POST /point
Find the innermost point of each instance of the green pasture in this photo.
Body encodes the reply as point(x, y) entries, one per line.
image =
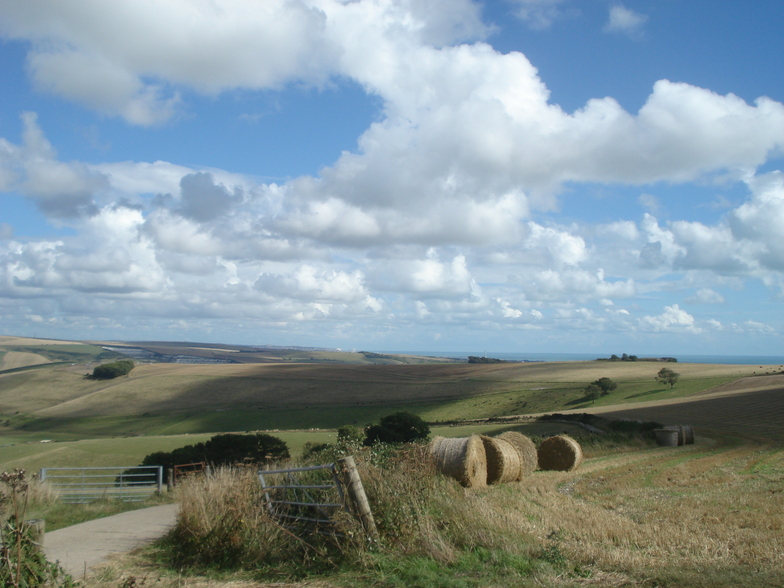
point(121, 451)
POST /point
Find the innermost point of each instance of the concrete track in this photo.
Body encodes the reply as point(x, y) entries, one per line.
point(81, 547)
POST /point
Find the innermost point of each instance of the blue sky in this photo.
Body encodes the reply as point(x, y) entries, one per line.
point(577, 176)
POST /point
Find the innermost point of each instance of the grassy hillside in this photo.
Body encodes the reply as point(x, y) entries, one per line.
point(18, 353)
point(157, 399)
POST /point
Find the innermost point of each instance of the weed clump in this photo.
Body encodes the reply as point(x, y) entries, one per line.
point(22, 561)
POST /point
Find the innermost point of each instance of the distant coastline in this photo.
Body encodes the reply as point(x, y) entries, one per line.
point(718, 359)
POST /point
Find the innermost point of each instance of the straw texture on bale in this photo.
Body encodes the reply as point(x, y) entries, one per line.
point(529, 460)
point(503, 461)
point(461, 458)
point(561, 453)
point(681, 434)
point(667, 437)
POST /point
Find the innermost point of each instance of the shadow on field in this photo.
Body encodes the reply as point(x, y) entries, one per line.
point(648, 393)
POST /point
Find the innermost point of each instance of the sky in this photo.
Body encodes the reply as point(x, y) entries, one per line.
point(557, 176)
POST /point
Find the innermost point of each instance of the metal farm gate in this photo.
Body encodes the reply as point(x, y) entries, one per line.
point(129, 483)
point(309, 499)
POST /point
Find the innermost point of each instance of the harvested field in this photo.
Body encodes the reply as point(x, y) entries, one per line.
point(750, 407)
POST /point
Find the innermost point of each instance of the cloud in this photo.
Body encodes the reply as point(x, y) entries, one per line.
point(539, 14)
point(426, 277)
point(706, 296)
point(202, 200)
point(673, 319)
point(625, 21)
point(760, 220)
point(310, 283)
point(60, 190)
point(128, 58)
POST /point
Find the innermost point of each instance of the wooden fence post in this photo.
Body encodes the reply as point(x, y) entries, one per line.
point(357, 496)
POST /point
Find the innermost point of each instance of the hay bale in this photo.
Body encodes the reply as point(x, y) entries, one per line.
point(461, 458)
point(561, 453)
point(688, 434)
point(503, 461)
point(681, 435)
point(667, 437)
point(526, 448)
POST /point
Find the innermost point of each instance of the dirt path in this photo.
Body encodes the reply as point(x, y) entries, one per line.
point(81, 547)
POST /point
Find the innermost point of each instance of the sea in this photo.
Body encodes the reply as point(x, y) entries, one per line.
point(720, 359)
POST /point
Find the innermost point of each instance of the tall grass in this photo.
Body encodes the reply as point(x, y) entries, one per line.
point(418, 514)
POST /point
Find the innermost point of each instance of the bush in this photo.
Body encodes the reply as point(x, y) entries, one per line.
point(400, 427)
point(225, 449)
point(116, 369)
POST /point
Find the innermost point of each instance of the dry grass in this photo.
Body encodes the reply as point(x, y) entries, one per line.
point(710, 514)
point(677, 513)
point(16, 359)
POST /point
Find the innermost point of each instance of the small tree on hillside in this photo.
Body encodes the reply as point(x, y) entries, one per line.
point(667, 376)
point(606, 385)
point(592, 392)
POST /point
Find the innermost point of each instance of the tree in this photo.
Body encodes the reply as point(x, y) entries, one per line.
point(592, 392)
point(400, 427)
point(223, 449)
point(116, 369)
point(667, 376)
point(606, 385)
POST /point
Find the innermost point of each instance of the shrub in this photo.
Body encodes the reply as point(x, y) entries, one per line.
point(112, 370)
point(225, 449)
point(400, 427)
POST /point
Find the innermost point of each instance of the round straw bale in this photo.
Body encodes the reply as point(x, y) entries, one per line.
point(681, 435)
point(688, 434)
point(503, 461)
point(461, 458)
point(561, 453)
point(526, 448)
point(667, 437)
